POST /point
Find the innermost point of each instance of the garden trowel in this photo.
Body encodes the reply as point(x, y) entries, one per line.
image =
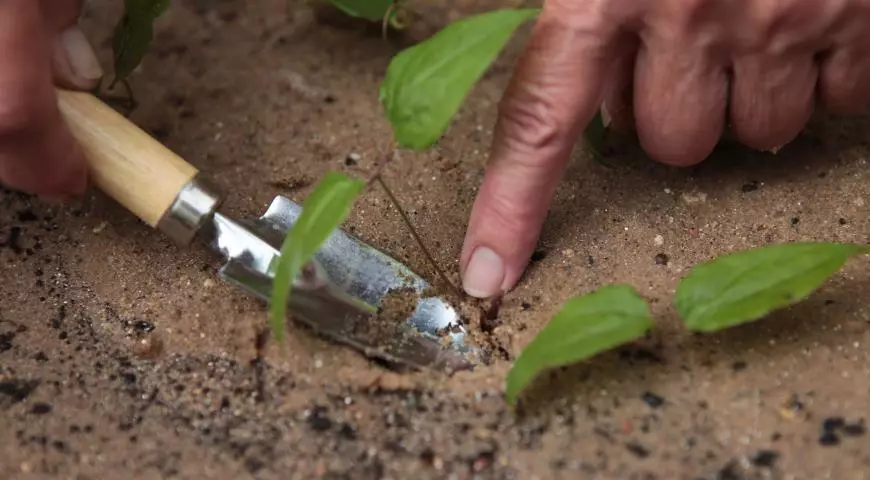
point(336, 292)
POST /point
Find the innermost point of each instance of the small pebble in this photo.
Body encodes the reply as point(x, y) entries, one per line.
point(659, 240)
point(99, 228)
point(352, 159)
point(693, 198)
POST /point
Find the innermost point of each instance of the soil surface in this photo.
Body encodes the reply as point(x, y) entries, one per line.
point(123, 356)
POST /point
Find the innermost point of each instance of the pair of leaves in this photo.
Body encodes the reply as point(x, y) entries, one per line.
point(133, 34)
point(328, 205)
point(728, 291)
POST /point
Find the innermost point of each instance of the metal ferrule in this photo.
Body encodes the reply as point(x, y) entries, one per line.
point(194, 205)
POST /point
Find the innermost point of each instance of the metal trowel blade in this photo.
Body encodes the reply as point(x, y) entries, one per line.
point(332, 294)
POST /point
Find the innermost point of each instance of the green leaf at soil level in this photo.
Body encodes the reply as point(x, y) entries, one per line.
point(133, 34)
point(426, 84)
point(323, 211)
point(585, 326)
point(372, 10)
point(745, 286)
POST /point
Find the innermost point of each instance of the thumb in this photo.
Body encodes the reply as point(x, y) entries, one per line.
point(556, 90)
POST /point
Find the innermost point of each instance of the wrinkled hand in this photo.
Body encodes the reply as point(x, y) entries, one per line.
point(674, 70)
point(40, 46)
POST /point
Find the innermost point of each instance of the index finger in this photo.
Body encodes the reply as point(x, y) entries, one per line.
point(556, 89)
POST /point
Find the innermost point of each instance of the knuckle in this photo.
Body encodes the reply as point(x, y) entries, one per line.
point(529, 121)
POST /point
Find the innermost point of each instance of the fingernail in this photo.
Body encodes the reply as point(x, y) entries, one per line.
point(82, 59)
point(484, 274)
point(605, 116)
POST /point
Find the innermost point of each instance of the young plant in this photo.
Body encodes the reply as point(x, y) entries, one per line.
point(328, 205)
point(728, 291)
point(584, 327)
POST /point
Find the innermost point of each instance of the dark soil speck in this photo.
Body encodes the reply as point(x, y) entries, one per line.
point(828, 439)
point(653, 400)
point(143, 326)
point(6, 341)
point(17, 390)
point(318, 419)
point(750, 186)
point(662, 259)
point(40, 408)
point(854, 429)
point(765, 458)
point(637, 449)
point(831, 424)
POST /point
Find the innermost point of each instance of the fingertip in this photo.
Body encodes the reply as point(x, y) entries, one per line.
point(504, 227)
point(484, 274)
point(75, 63)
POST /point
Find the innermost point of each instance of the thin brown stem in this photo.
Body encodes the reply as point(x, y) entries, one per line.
point(380, 165)
point(416, 236)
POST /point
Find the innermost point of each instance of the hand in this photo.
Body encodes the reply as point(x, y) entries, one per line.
point(676, 71)
point(40, 45)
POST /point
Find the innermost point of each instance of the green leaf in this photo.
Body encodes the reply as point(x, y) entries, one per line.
point(585, 326)
point(426, 84)
point(323, 211)
point(133, 34)
point(745, 286)
point(372, 10)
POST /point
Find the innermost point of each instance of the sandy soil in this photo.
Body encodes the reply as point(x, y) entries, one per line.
point(122, 356)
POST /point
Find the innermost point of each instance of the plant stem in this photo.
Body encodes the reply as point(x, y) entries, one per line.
point(377, 177)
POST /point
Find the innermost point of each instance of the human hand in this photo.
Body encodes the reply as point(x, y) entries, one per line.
point(40, 46)
point(674, 70)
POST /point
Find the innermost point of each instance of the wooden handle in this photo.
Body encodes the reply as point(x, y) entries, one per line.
point(125, 162)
